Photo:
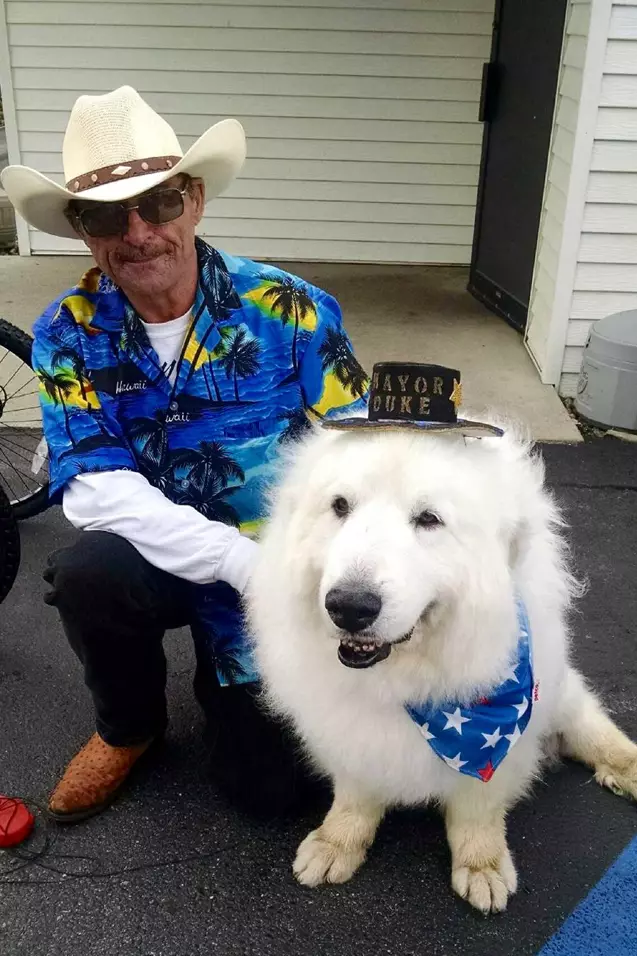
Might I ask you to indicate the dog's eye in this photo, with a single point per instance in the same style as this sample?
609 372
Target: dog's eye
427 519
340 506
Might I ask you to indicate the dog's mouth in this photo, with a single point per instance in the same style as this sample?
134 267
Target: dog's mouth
361 652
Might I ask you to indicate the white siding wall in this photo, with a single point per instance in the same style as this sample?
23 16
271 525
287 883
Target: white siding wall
361 115
551 232
606 275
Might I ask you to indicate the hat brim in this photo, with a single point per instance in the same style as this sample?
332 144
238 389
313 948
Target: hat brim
467 428
216 158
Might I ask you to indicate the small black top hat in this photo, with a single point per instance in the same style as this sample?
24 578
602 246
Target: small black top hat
412 395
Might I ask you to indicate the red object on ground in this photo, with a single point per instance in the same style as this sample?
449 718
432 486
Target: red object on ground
16 821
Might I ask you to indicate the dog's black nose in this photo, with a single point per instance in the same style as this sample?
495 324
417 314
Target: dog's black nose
352 609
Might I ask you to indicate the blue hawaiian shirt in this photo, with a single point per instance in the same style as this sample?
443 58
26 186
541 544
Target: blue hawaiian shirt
264 355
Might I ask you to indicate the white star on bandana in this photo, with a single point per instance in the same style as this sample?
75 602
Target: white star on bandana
522 708
455 720
455 762
491 739
514 737
424 730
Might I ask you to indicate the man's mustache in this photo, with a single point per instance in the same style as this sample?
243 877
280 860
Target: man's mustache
130 254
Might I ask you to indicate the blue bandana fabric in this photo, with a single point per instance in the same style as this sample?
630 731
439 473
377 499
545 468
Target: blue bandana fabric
265 354
475 739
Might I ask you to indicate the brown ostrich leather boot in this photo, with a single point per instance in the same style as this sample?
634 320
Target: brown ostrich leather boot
92 779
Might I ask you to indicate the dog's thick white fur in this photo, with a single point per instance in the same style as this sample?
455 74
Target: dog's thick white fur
453 585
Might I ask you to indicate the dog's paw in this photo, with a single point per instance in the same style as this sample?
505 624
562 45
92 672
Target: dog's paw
621 778
319 860
487 888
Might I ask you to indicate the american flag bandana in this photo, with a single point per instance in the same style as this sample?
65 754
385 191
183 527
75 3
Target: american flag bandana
476 739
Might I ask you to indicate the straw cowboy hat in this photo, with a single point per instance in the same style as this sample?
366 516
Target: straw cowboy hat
116 147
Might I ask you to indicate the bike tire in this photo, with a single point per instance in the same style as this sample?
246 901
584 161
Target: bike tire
20 344
9 546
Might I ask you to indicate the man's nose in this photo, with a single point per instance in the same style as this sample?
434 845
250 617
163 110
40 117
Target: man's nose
137 230
353 609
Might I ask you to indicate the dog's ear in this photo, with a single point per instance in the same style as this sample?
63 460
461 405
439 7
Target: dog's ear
518 538
517 481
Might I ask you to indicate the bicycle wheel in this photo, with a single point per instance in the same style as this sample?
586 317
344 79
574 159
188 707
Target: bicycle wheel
24 466
9 546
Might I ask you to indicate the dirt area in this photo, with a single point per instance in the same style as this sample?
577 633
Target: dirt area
588 432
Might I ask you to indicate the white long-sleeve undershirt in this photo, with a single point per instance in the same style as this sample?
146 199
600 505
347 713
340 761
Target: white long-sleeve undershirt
176 538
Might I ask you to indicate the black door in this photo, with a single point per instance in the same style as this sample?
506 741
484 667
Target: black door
518 97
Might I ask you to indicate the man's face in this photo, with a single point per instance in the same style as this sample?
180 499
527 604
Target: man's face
147 259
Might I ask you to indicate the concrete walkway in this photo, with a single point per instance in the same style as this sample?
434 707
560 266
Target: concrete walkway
390 312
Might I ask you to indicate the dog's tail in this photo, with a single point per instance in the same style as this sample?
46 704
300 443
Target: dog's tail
588 734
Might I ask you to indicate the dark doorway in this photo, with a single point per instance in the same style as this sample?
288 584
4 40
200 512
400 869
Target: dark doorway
518 97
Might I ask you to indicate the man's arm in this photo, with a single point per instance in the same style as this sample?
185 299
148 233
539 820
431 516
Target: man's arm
94 472
174 538
80 434
332 380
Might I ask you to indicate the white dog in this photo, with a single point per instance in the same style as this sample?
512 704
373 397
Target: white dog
389 575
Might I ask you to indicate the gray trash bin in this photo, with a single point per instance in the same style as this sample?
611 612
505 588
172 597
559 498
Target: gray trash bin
607 386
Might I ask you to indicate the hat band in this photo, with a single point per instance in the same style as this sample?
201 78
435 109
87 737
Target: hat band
111 174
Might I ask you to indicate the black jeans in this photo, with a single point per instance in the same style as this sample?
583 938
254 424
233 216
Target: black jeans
115 609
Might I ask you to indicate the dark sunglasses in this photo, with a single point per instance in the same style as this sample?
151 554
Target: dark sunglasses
101 220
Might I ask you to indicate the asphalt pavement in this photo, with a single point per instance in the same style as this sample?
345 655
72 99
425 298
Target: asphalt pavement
176 872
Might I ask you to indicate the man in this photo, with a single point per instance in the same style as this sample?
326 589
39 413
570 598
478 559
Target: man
171 376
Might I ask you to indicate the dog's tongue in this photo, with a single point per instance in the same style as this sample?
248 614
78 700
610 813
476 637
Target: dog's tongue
355 654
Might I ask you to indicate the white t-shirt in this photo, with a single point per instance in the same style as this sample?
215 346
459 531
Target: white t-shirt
176 538
167 339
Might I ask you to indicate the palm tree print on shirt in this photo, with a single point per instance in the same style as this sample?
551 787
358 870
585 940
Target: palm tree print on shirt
67 356
224 653
210 469
291 301
229 667
84 468
337 357
151 446
211 502
219 293
209 463
59 386
241 358
225 331
59 358
221 300
298 424
133 340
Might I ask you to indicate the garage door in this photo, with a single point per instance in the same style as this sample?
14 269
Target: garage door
361 116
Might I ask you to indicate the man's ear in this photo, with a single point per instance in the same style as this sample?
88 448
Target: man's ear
198 195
